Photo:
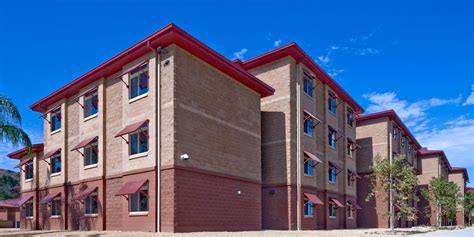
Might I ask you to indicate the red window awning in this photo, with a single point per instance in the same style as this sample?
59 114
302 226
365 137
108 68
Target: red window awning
312 157
338 167
131 187
139 64
84 193
353 173
337 202
85 143
49 154
24 199
314 199
23 162
132 128
48 198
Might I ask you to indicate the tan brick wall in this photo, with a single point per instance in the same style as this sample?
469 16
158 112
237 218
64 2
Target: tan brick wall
217 120
458 178
373 138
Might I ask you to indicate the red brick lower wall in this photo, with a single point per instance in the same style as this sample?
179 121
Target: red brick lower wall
277 206
44 217
77 219
117 214
206 202
30 223
373 213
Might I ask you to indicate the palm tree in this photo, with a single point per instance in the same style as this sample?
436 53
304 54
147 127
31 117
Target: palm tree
10 120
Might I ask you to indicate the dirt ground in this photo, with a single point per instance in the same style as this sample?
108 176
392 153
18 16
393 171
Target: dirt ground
265 233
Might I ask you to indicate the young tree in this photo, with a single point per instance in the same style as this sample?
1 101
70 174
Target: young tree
444 197
10 119
469 205
399 178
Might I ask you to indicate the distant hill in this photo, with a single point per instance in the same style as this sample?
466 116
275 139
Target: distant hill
9 184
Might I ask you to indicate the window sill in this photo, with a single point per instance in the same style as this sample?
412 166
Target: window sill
91 215
87 167
137 98
332 113
308 216
332 217
55 174
28 180
29 218
334 148
309 96
55 131
332 182
90 117
138 213
308 135
350 218
139 155
56 217
307 175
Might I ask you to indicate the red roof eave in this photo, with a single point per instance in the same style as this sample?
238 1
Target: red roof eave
171 34
20 153
299 55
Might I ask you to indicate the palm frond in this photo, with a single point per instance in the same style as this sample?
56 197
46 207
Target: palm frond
8 111
14 135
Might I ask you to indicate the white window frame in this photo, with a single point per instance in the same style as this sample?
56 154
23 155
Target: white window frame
308 126
135 75
53 114
138 154
350 179
29 165
308 209
53 157
54 202
307 85
332 99
332 210
332 138
139 193
350 117
93 197
89 98
309 163
29 205
350 211
333 169
88 150
394 133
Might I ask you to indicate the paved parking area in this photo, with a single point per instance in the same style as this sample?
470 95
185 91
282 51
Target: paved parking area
322 233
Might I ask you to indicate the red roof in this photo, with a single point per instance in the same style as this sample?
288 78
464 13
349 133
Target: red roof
460 169
470 189
299 55
24 151
425 152
171 34
393 116
10 203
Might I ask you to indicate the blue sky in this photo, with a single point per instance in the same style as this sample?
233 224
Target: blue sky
413 56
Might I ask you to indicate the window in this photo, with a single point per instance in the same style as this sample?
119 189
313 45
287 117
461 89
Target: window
308 84
56 120
91 102
409 148
332 210
394 133
332 102
29 170
350 117
138 202
308 167
56 207
90 154
90 204
139 141
350 179
350 148
139 81
308 208
56 163
29 209
308 126
402 141
332 140
332 173
350 211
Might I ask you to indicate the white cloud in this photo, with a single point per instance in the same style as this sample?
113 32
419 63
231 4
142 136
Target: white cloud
413 114
366 51
470 98
240 54
277 43
455 138
324 59
333 72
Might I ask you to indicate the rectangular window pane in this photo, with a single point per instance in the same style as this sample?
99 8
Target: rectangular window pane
90 104
56 164
134 91
144 200
143 141
55 120
134 202
90 155
134 144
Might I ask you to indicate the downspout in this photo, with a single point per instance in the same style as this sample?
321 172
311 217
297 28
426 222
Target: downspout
390 154
298 148
157 144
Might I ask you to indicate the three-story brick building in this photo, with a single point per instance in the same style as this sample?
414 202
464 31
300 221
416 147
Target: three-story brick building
308 144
